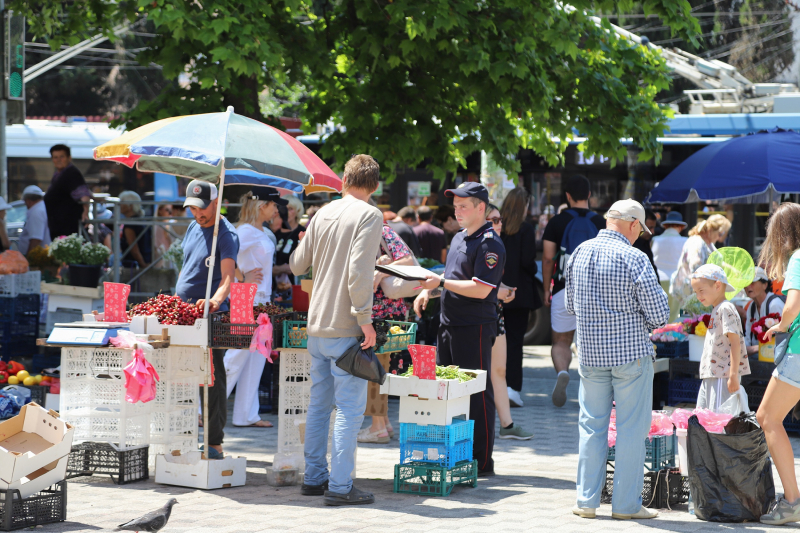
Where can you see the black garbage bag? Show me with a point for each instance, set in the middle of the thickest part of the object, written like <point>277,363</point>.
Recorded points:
<point>731,474</point>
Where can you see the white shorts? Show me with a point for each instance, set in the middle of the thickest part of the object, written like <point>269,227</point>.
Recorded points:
<point>560,320</point>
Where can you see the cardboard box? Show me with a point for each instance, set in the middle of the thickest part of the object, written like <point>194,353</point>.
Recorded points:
<point>423,412</point>
<point>434,389</point>
<point>307,285</point>
<point>190,470</point>
<point>32,445</point>
<point>195,335</point>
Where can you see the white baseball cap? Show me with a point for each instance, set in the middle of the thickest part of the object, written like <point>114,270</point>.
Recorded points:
<point>713,273</point>
<point>761,274</point>
<point>629,210</point>
<point>32,190</point>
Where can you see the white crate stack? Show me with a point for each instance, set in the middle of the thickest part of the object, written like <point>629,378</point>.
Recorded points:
<point>13,285</point>
<point>93,398</point>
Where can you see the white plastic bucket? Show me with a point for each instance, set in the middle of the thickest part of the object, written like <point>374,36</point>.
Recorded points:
<point>683,460</point>
<point>696,347</point>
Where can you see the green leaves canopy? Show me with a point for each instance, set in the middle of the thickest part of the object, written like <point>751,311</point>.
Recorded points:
<point>411,82</point>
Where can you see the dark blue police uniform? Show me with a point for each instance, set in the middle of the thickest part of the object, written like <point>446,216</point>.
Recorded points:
<point>469,325</point>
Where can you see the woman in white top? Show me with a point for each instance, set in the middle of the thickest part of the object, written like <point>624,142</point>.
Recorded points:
<point>695,253</point>
<point>668,246</point>
<point>256,253</point>
<point>762,302</point>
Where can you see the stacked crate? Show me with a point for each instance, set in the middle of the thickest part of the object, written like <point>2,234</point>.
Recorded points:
<point>434,458</point>
<point>19,314</point>
<point>93,398</point>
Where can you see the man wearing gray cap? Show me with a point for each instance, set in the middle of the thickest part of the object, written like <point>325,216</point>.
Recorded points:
<point>617,300</point>
<point>201,199</point>
<point>35,232</point>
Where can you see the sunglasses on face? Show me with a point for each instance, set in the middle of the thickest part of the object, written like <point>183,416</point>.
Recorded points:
<point>496,220</point>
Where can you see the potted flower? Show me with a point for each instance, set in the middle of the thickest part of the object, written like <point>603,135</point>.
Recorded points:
<point>696,328</point>
<point>766,350</point>
<point>39,259</point>
<point>85,259</point>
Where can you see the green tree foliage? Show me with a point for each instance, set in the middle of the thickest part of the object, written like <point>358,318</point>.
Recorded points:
<point>411,82</point>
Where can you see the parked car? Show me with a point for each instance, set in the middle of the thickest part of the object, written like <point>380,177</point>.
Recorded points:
<point>15,220</point>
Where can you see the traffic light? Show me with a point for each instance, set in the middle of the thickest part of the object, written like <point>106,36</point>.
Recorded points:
<point>14,56</point>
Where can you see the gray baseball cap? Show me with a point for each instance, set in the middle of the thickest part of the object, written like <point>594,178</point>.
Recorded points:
<point>200,194</point>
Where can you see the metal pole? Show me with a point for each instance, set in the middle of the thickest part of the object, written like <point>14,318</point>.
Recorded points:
<point>3,110</point>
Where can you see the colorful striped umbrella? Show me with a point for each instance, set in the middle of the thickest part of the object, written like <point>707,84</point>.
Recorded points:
<point>200,146</point>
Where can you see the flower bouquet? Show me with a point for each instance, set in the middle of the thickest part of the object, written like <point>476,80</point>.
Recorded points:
<point>766,350</point>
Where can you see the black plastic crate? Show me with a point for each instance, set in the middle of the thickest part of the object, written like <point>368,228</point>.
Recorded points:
<point>755,393</point>
<point>38,393</point>
<point>25,304</point>
<point>660,490</point>
<point>683,390</point>
<point>16,347</point>
<point>239,336</point>
<point>44,507</point>
<point>683,367</point>
<point>672,349</point>
<point>265,396</point>
<point>123,465</point>
<point>41,361</point>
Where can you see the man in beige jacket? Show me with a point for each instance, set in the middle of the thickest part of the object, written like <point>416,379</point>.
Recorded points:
<point>340,245</point>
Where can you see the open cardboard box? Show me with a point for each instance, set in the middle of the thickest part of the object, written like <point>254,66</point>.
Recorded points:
<point>434,389</point>
<point>191,470</point>
<point>34,446</point>
<point>423,412</point>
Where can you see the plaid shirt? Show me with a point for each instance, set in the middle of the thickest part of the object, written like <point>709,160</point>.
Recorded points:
<point>613,291</point>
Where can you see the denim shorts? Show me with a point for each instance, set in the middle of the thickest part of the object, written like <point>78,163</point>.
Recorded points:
<point>788,370</point>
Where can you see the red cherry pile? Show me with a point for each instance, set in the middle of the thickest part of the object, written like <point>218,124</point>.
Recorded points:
<point>170,310</point>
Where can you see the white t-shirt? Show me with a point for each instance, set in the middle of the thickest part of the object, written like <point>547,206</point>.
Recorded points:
<point>256,250</point>
<point>35,227</point>
<point>667,249</point>
<point>775,306</point>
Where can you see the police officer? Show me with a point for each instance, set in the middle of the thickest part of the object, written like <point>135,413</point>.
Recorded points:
<point>468,290</point>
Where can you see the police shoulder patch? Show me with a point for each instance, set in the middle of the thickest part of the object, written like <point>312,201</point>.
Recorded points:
<point>491,259</point>
<point>488,235</point>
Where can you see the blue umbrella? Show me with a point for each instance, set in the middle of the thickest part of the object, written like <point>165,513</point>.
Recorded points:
<point>747,169</point>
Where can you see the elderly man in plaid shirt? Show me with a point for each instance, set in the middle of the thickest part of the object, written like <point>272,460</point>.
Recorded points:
<point>613,291</point>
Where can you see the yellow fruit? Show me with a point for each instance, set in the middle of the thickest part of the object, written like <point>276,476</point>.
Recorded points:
<point>29,381</point>
<point>13,380</point>
<point>294,328</point>
<point>22,374</point>
<point>39,378</point>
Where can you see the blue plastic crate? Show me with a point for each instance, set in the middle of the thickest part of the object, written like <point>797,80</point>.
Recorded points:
<point>436,453</point>
<point>22,326</point>
<point>12,308</point>
<point>672,349</point>
<point>449,435</point>
<point>660,452</point>
<point>683,390</point>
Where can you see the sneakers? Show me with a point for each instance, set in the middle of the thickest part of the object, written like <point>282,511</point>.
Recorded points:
<point>584,512</point>
<point>377,437</point>
<point>354,497</point>
<point>560,390</point>
<point>514,399</point>
<point>782,512</point>
<point>643,513</point>
<point>514,432</point>
<point>314,490</point>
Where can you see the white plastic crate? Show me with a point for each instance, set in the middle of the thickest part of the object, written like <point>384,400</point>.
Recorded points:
<point>182,361</point>
<point>175,424</point>
<point>92,397</point>
<point>295,367</point>
<point>12,285</point>
<point>289,434</point>
<point>176,393</point>
<point>293,400</point>
<point>123,431</point>
<point>85,361</point>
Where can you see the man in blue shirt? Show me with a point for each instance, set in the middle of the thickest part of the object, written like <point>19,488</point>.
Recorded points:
<point>201,199</point>
<point>613,291</point>
<point>468,288</point>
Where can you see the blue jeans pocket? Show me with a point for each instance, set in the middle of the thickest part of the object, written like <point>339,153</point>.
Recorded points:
<point>790,367</point>
<point>630,370</point>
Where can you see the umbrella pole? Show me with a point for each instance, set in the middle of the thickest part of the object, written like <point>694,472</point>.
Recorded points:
<point>211,261</point>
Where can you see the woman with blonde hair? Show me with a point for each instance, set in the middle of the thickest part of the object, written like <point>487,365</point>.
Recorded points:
<point>696,250</point>
<point>256,252</point>
<point>780,255</point>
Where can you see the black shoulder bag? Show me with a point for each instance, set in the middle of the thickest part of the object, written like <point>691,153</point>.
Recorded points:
<point>362,363</point>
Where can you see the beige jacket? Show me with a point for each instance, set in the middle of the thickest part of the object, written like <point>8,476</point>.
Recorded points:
<point>341,243</point>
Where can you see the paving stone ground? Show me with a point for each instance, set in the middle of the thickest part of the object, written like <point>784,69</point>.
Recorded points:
<point>534,487</point>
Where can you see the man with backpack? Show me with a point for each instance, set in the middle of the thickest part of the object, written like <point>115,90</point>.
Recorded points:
<point>562,235</point>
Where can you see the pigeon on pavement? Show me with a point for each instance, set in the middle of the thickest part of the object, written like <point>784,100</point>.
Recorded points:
<point>150,522</point>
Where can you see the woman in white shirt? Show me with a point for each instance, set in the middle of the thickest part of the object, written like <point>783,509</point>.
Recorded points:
<point>762,302</point>
<point>668,246</point>
<point>696,250</point>
<point>256,251</point>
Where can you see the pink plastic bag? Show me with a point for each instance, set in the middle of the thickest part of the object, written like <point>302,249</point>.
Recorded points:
<point>140,379</point>
<point>262,337</point>
<point>660,424</point>
<point>612,429</point>
<point>680,417</point>
<point>711,421</point>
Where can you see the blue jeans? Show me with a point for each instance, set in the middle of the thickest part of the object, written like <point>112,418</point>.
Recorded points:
<point>331,386</point>
<point>631,387</point>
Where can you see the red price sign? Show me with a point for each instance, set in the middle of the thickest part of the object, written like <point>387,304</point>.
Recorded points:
<point>424,360</point>
<point>242,296</point>
<point>115,301</point>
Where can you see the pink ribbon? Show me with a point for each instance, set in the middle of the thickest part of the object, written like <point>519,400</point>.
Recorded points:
<point>262,337</point>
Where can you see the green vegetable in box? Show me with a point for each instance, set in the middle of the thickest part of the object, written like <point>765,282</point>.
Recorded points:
<point>445,372</point>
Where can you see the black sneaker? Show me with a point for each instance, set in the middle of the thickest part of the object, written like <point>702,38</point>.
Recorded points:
<point>354,497</point>
<point>314,490</point>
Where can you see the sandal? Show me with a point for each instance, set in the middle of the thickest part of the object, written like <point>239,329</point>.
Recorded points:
<point>259,424</point>
<point>378,437</point>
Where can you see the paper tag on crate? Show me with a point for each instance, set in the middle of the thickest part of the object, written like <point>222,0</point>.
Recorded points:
<point>242,296</point>
<point>424,360</point>
<point>417,455</point>
<point>115,301</point>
